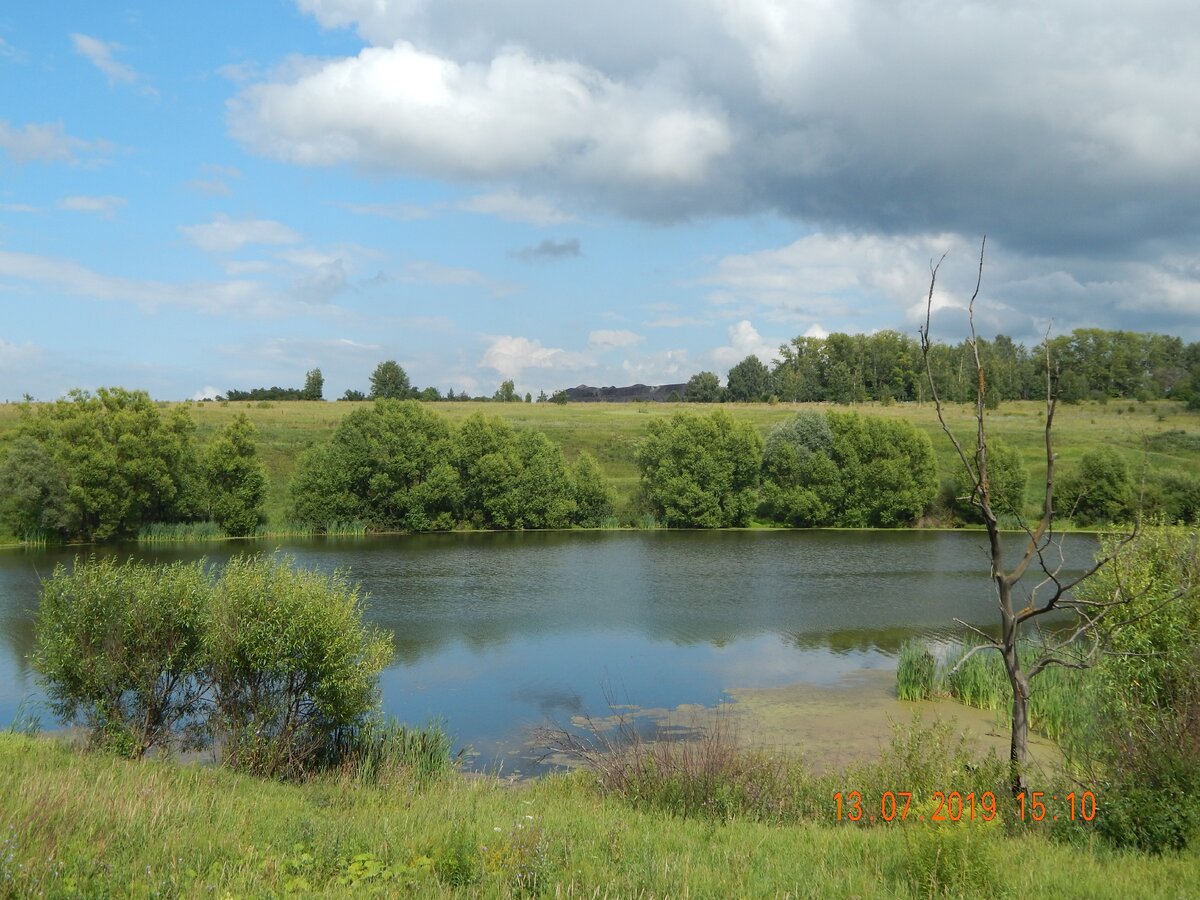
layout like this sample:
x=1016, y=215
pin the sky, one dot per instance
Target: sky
x=197, y=197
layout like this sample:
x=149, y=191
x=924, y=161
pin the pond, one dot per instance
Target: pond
x=496, y=633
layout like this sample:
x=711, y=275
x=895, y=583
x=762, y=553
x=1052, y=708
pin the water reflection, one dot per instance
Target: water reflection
x=494, y=631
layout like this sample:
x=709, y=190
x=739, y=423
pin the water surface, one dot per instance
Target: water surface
x=496, y=633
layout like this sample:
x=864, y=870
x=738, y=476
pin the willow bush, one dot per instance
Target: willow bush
x=264, y=663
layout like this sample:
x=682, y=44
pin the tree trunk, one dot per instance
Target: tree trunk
x=1019, y=744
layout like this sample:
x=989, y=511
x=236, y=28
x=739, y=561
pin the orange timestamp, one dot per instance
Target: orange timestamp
x=959, y=806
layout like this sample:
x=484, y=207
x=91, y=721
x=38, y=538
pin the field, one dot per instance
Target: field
x=610, y=431
x=93, y=825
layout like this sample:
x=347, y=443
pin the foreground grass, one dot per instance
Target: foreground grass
x=610, y=432
x=74, y=825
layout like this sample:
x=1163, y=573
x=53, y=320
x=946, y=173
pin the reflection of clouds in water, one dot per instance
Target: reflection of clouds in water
x=550, y=701
x=771, y=660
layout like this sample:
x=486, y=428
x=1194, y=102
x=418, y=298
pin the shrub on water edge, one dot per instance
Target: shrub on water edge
x=380, y=749
x=268, y=663
x=290, y=662
x=119, y=647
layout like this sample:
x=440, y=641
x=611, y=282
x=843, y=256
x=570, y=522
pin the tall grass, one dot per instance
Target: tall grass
x=380, y=750
x=1060, y=700
x=180, y=532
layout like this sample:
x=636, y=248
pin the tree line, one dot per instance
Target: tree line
x=104, y=466
x=388, y=381
x=98, y=467
x=1088, y=364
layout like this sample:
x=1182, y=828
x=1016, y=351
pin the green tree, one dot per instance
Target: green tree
x=389, y=381
x=388, y=465
x=123, y=464
x=506, y=393
x=801, y=483
x=314, y=385
x=33, y=491
x=749, y=380
x=594, y=496
x=701, y=471
x=119, y=648
x=1007, y=477
x=703, y=387
x=236, y=479
x=1100, y=491
x=887, y=467
x=353, y=395
x=848, y=470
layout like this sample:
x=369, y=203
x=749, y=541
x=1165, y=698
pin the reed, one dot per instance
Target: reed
x=1060, y=700
x=180, y=533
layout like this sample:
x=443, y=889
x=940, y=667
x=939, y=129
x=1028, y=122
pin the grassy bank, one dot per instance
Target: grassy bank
x=610, y=432
x=73, y=825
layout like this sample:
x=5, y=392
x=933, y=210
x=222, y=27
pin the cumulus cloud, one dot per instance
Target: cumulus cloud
x=510, y=356
x=548, y=251
x=46, y=142
x=612, y=340
x=105, y=205
x=224, y=235
x=744, y=340
x=400, y=108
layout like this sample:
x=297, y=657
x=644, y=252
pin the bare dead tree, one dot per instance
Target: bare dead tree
x=1082, y=642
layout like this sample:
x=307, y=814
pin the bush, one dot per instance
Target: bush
x=701, y=471
x=1007, y=477
x=848, y=470
x=119, y=649
x=1144, y=750
x=290, y=663
x=594, y=498
x=236, y=479
x=1100, y=491
x=274, y=665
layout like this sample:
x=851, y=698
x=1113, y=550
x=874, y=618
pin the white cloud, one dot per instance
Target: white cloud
x=18, y=208
x=401, y=108
x=236, y=297
x=100, y=54
x=18, y=356
x=422, y=272
x=105, y=205
x=401, y=212
x=744, y=340
x=611, y=340
x=208, y=392
x=816, y=331
x=224, y=235
x=663, y=367
x=835, y=275
x=512, y=206
x=510, y=356
x=45, y=142
x=677, y=322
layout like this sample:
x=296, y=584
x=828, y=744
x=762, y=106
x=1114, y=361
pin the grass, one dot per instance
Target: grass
x=610, y=431
x=92, y=825
x=1057, y=701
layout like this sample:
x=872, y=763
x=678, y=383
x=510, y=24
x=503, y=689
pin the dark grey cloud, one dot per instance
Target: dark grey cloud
x=549, y=251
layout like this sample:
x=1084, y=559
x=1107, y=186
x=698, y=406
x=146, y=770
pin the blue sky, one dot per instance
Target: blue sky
x=194, y=198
